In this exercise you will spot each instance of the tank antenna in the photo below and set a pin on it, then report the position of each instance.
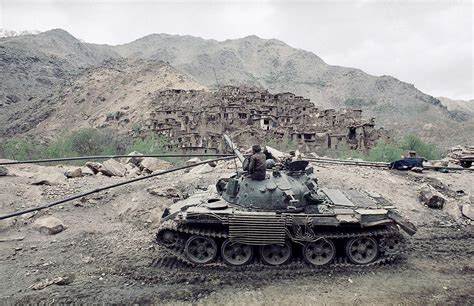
(235, 162)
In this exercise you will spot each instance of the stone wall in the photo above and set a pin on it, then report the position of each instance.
(195, 120)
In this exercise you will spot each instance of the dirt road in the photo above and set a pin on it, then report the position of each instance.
(107, 252)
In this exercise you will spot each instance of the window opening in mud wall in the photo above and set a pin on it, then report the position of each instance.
(352, 133)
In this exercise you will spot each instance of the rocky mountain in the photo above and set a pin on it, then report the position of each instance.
(461, 108)
(38, 69)
(116, 94)
(34, 68)
(11, 33)
(274, 65)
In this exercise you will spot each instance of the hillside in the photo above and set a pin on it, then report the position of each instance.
(38, 69)
(461, 108)
(116, 94)
(274, 65)
(34, 68)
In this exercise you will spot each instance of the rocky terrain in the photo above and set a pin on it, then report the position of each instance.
(119, 90)
(44, 73)
(100, 248)
(461, 108)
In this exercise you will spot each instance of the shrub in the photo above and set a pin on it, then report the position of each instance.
(19, 149)
(152, 144)
(414, 143)
(384, 152)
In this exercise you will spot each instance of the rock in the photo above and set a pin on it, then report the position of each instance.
(3, 171)
(112, 167)
(213, 164)
(60, 280)
(468, 211)
(417, 169)
(95, 167)
(7, 223)
(48, 178)
(72, 173)
(169, 192)
(134, 172)
(86, 171)
(431, 197)
(192, 161)
(49, 225)
(201, 169)
(275, 152)
(151, 164)
(373, 194)
(134, 160)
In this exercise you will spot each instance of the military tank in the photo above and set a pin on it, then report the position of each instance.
(286, 215)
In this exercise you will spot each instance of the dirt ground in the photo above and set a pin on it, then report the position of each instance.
(108, 255)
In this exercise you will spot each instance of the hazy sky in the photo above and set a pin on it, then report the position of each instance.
(427, 43)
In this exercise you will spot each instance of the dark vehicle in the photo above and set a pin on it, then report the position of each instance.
(283, 216)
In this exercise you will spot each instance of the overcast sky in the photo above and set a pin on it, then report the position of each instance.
(427, 43)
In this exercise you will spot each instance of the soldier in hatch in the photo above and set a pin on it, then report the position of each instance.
(256, 165)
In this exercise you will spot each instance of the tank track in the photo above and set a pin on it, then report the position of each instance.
(177, 259)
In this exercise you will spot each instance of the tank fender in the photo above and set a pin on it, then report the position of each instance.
(406, 225)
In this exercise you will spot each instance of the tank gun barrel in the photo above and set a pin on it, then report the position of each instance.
(234, 149)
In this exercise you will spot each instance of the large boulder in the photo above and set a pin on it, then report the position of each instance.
(112, 167)
(49, 225)
(95, 167)
(134, 160)
(3, 171)
(431, 197)
(192, 161)
(468, 211)
(86, 171)
(132, 170)
(73, 173)
(151, 164)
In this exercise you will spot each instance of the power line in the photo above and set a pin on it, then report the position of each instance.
(80, 195)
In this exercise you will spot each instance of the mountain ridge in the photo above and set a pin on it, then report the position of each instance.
(267, 63)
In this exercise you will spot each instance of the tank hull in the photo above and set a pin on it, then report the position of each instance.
(345, 233)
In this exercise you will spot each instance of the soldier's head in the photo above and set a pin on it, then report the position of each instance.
(256, 148)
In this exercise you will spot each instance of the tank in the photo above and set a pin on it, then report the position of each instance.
(287, 216)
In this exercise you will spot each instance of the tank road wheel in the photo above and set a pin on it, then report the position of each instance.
(236, 254)
(392, 245)
(200, 250)
(275, 254)
(319, 253)
(167, 238)
(362, 250)
(466, 164)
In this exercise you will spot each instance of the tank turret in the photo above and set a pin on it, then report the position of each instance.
(288, 186)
